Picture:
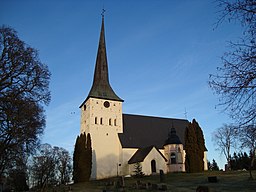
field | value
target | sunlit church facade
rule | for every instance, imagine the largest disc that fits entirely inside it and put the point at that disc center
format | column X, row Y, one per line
column 119, row 141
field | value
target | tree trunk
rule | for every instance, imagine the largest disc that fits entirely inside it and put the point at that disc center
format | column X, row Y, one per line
column 252, row 163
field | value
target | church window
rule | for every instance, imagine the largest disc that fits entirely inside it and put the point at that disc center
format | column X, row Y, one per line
column 110, row 123
column 84, row 107
column 106, row 104
column 96, row 120
column 153, row 166
column 173, row 158
column 115, row 122
column 101, row 121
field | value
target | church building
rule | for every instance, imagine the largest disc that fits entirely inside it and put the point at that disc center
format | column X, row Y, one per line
column 119, row 141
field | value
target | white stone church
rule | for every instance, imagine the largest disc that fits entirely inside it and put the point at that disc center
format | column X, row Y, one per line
column 121, row 140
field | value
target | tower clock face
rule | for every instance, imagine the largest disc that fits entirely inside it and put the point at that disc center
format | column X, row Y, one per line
column 106, row 104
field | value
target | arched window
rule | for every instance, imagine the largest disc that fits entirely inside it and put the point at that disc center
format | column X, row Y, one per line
column 153, row 166
column 101, row 121
column 115, row 122
column 173, row 158
column 96, row 120
column 110, row 123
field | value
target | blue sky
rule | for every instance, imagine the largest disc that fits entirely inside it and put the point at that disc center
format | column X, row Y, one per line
column 160, row 55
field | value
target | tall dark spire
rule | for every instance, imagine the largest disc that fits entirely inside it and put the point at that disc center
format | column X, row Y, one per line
column 101, row 87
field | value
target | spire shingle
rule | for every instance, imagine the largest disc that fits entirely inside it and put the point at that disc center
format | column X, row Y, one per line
column 101, row 87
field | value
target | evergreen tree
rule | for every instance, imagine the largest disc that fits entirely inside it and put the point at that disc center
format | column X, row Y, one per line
column 200, row 146
column 209, row 165
column 246, row 161
column 82, row 159
column 215, row 166
column 138, row 170
column 75, row 161
column 89, row 155
column 190, row 140
column 241, row 161
column 233, row 162
column 194, row 147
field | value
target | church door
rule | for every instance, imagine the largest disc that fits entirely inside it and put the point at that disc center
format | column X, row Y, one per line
column 153, row 166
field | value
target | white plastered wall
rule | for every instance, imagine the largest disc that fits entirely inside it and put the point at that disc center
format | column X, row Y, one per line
column 146, row 164
column 205, row 161
column 180, row 157
column 127, row 153
column 95, row 119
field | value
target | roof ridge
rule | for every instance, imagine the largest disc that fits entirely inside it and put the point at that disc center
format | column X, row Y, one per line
column 151, row 116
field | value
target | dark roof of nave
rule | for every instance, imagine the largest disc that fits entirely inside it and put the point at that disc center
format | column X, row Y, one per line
column 143, row 131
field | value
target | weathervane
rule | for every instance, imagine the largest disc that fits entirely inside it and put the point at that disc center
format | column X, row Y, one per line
column 185, row 113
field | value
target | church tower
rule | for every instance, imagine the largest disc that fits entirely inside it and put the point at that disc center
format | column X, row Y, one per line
column 174, row 153
column 101, row 116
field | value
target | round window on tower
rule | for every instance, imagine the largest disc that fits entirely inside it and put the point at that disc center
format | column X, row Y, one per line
column 106, row 104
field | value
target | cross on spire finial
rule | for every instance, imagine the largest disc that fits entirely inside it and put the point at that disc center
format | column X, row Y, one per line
column 185, row 113
column 103, row 12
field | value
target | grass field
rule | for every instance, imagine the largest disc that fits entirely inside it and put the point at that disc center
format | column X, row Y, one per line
column 177, row 182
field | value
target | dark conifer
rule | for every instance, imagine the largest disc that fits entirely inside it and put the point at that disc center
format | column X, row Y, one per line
column 88, row 156
column 138, row 170
column 190, row 140
column 194, row 147
column 215, row 166
column 75, row 161
column 82, row 159
column 200, row 146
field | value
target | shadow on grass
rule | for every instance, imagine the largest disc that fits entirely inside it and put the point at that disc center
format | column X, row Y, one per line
column 175, row 182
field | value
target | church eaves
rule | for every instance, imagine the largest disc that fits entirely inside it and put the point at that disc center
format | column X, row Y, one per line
column 101, row 87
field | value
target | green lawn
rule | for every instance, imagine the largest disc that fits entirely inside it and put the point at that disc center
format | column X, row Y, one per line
column 177, row 182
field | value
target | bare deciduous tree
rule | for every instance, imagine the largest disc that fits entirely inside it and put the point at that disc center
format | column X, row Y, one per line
column 64, row 166
column 225, row 138
column 43, row 166
column 50, row 166
column 248, row 139
column 24, row 90
column 235, row 81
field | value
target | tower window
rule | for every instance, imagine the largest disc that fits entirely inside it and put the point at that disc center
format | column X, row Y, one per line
column 101, row 121
column 115, row 122
column 110, row 123
column 96, row 120
column 106, row 104
column 84, row 107
column 173, row 158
